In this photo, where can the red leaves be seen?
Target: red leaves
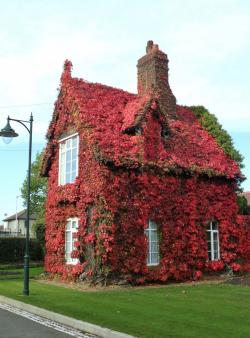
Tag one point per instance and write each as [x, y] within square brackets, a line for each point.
[125, 180]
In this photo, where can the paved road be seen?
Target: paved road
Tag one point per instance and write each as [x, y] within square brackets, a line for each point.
[14, 325]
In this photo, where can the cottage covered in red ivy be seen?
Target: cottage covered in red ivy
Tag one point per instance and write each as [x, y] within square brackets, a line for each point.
[137, 189]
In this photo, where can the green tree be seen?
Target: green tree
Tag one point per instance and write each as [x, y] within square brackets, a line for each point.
[244, 208]
[212, 125]
[38, 193]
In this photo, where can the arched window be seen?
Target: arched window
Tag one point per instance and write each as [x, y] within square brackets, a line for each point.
[153, 256]
[213, 241]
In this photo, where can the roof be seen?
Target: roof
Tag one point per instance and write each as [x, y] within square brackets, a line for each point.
[112, 113]
[246, 194]
[20, 215]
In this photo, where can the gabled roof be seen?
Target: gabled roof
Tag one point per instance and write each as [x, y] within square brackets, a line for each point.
[21, 215]
[110, 113]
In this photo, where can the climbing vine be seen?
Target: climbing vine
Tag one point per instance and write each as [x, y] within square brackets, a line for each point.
[181, 181]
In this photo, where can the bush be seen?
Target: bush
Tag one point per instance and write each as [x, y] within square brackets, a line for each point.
[13, 250]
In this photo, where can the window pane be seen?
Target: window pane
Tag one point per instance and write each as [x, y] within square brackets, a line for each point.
[215, 236]
[214, 225]
[216, 246]
[68, 247]
[68, 236]
[154, 247]
[154, 258]
[68, 156]
[74, 165]
[68, 143]
[74, 141]
[152, 225]
[68, 180]
[68, 166]
[74, 154]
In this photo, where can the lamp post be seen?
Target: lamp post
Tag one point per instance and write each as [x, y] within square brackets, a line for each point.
[8, 133]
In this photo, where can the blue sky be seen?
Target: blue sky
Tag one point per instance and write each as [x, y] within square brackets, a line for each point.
[207, 43]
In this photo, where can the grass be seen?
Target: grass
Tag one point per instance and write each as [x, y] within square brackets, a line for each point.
[17, 273]
[204, 311]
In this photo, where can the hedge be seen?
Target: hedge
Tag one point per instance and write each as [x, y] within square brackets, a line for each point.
[13, 250]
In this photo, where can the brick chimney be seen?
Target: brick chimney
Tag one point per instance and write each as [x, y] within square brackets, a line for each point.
[152, 70]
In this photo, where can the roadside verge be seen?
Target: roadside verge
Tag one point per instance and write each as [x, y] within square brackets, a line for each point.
[74, 323]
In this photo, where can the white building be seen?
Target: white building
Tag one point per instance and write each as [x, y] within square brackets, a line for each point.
[14, 225]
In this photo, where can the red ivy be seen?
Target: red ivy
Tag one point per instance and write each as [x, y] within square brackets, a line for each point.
[182, 182]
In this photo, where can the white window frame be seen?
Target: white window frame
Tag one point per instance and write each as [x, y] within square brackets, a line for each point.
[71, 230]
[62, 178]
[152, 228]
[211, 233]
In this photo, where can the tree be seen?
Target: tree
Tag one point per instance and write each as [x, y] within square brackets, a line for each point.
[210, 123]
[244, 208]
[38, 193]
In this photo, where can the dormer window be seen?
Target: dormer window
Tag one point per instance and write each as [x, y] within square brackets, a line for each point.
[68, 159]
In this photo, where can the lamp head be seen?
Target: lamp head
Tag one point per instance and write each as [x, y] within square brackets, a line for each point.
[8, 133]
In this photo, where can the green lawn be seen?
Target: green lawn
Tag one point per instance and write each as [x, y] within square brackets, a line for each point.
[17, 273]
[214, 310]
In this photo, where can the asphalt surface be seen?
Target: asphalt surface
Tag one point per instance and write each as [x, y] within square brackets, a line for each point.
[14, 325]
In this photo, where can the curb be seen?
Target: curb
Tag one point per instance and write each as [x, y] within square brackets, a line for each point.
[74, 323]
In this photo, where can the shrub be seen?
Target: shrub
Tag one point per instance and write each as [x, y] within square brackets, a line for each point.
[13, 250]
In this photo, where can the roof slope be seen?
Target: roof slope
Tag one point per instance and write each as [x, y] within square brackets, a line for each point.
[110, 112]
[20, 215]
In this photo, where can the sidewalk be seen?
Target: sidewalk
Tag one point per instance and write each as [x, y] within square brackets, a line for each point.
[74, 323]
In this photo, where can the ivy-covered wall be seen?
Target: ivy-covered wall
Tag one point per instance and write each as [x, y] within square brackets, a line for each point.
[114, 206]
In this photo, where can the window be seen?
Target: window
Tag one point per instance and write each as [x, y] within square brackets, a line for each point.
[70, 238]
[68, 159]
[213, 242]
[151, 232]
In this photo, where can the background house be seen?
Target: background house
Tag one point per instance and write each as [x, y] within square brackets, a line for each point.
[246, 194]
[14, 225]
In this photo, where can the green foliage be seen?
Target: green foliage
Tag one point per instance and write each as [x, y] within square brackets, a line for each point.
[38, 188]
[40, 233]
[212, 125]
[13, 249]
[244, 208]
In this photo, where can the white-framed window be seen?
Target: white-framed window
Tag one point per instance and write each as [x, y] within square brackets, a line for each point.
[70, 238]
[213, 241]
[68, 159]
[153, 254]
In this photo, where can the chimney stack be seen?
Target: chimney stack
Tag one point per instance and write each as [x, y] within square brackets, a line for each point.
[152, 70]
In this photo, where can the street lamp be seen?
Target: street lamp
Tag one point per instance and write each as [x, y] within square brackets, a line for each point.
[8, 133]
